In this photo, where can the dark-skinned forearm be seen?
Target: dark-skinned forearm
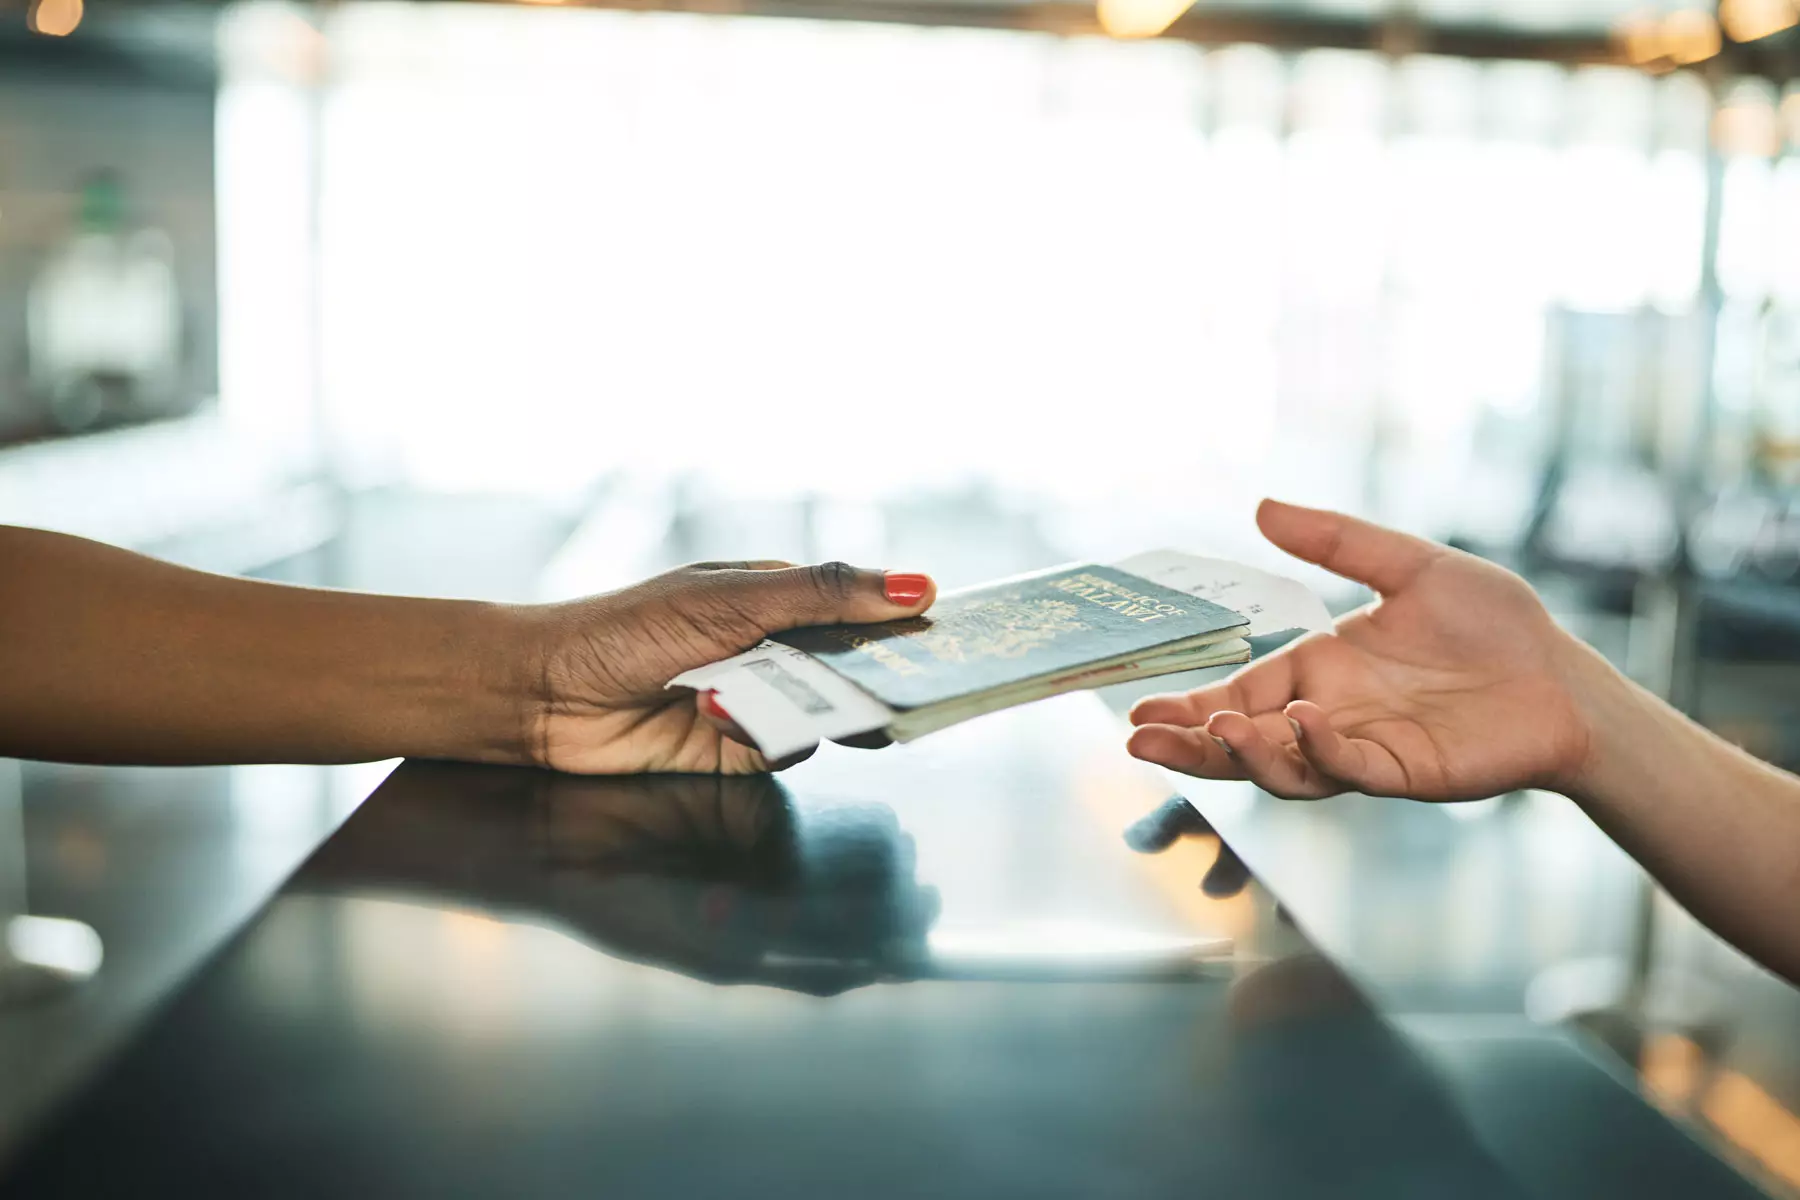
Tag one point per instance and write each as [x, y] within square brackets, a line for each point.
[108, 656]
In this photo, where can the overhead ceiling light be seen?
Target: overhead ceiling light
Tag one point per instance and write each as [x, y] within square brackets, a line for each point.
[54, 18]
[1641, 36]
[1748, 20]
[1690, 36]
[1138, 18]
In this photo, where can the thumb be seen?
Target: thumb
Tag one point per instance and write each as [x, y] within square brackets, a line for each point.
[832, 593]
[1381, 558]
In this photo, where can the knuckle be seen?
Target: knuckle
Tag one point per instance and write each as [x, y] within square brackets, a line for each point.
[1333, 545]
[836, 580]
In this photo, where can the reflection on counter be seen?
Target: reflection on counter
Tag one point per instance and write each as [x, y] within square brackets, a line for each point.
[722, 879]
[493, 981]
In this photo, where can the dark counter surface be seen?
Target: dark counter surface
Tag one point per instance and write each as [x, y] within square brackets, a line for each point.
[939, 970]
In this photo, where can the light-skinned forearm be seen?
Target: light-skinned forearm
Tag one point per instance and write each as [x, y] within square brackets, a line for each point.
[1718, 828]
[108, 656]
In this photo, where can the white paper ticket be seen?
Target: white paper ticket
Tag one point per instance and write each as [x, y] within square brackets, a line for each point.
[770, 685]
[1273, 603]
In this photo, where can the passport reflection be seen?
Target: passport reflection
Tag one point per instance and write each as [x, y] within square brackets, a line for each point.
[718, 878]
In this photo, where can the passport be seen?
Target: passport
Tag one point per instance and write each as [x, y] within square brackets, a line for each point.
[1003, 644]
[1004, 641]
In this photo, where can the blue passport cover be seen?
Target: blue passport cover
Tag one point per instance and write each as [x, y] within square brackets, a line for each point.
[1008, 632]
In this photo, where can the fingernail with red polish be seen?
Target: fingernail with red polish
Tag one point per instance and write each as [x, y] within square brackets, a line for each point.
[906, 589]
[709, 704]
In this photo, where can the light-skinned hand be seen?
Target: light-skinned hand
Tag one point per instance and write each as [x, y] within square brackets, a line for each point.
[1455, 684]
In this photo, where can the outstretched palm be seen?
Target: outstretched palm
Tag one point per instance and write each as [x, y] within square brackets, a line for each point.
[1453, 686]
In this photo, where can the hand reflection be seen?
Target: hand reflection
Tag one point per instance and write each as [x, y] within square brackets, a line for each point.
[1176, 819]
[716, 877]
[1332, 1101]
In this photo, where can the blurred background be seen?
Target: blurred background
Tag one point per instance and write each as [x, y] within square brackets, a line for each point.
[529, 300]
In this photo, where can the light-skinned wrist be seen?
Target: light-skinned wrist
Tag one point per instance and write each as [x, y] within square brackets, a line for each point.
[1612, 711]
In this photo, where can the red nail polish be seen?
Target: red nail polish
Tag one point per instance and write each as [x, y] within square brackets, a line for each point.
[906, 589]
[709, 704]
